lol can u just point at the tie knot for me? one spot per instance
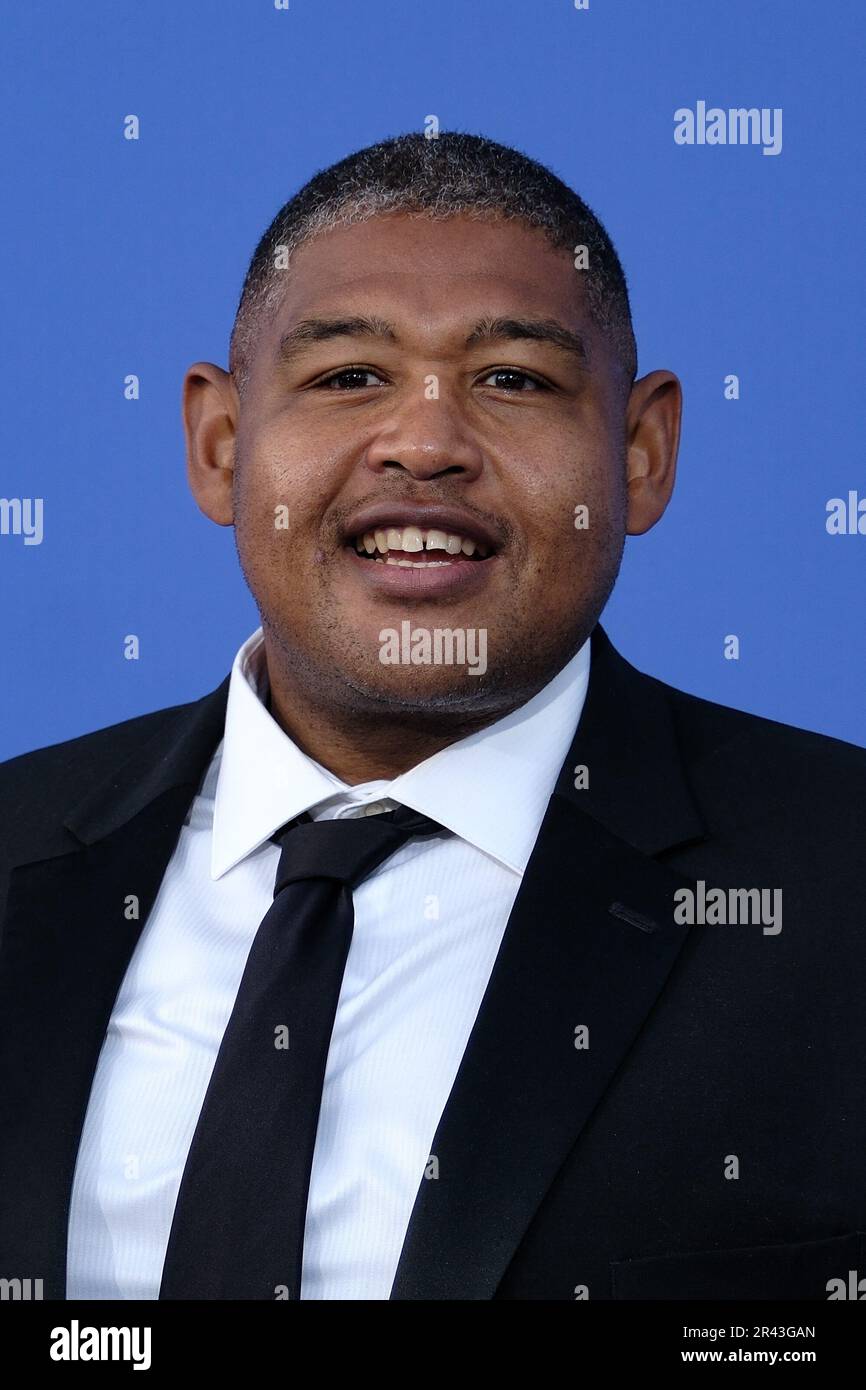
(345, 850)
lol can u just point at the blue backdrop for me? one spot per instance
(127, 257)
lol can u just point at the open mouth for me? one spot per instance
(418, 547)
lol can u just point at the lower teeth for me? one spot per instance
(405, 564)
(413, 564)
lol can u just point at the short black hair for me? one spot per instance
(453, 174)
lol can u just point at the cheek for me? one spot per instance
(574, 506)
(281, 489)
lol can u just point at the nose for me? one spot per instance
(426, 438)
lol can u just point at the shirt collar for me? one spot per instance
(491, 788)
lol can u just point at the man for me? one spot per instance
(438, 953)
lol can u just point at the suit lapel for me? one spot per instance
(67, 940)
(590, 942)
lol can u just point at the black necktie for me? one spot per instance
(238, 1227)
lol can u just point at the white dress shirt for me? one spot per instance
(428, 925)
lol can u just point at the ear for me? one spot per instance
(210, 414)
(653, 417)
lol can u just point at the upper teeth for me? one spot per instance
(415, 538)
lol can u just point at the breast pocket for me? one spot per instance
(798, 1271)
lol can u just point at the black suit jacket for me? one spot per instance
(565, 1172)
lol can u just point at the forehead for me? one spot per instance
(439, 270)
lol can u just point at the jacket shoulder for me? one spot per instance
(761, 761)
(39, 787)
(708, 724)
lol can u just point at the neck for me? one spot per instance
(364, 746)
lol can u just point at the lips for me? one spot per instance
(414, 552)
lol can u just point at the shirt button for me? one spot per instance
(375, 808)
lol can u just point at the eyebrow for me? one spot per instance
(487, 330)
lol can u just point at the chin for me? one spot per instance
(408, 693)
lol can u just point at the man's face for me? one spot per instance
(429, 472)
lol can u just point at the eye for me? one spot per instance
(535, 383)
(347, 379)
